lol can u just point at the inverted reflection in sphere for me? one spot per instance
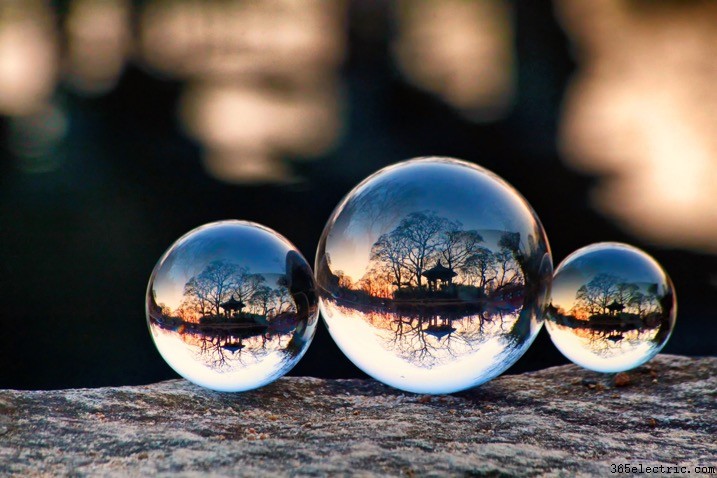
(613, 307)
(433, 275)
(232, 306)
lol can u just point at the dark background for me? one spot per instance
(77, 244)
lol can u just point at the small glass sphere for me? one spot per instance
(433, 275)
(232, 306)
(613, 307)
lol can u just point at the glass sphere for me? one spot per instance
(613, 307)
(433, 275)
(232, 306)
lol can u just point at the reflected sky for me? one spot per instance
(433, 275)
(214, 242)
(612, 307)
(400, 350)
(231, 306)
(474, 197)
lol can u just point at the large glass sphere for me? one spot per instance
(232, 306)
(612, 307)
(433, 275)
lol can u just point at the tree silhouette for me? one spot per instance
(391, 250)
(344, 280)
(508, 269)
(214, 285)
(378, 280)
(260, 299)
(246, 286)
(220, 281)
(608, 294)
(511, 241)
(597, 294)
(642, 303)
(480, 267)
(280, 301)
(457, 246)
(624, 293)
(421, 236)
(424, 240)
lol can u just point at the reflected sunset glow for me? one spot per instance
(231, 306)
(612, 307)
(433, 275)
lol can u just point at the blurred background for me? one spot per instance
(126, 123)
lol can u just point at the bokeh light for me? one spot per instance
(29, 54)
(460, 51)
(640, 114)
(262, 79)
(126, 122)
(99, 41)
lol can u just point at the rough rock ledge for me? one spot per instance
(562, 421)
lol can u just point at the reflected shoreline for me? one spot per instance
(232, 305)
(612, 307)
(433, 275)
(421, 306)
(426, 336)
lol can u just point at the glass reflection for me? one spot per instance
(231, 306)
(613, 307)
(433, 275)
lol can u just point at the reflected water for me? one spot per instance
(613, 307)
(231, 306)
(433, 275)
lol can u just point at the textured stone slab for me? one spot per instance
(561, 421)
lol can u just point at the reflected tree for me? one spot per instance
(431, 339)
(391, 253)
(206, 291)
(421, 235)
(642, 303)
(608, 308)
(425, 245)
(596, 295)
(247, 286)
(607, 294)
(458, 246)
(508, 271)
(480, 268)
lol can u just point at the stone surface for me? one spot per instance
(562, 421)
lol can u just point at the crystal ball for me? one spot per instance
(433, 275)
(232, 306)
(612, 307)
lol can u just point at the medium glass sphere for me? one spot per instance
(232, 306)
(613, 307)
(433, 275)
